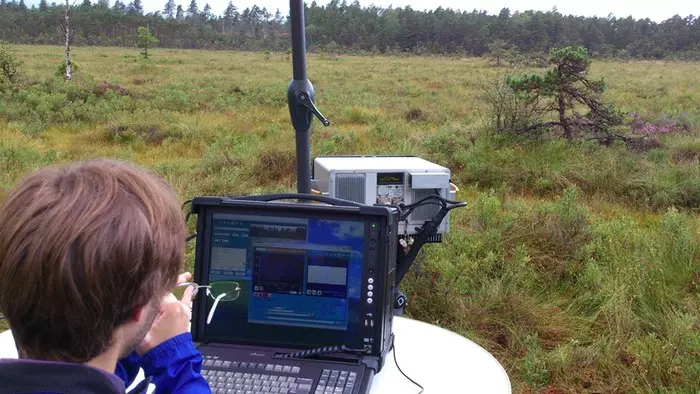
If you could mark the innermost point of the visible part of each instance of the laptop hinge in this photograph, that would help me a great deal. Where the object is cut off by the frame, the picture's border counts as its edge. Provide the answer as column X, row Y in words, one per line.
column 376, row 363
column 337, row 357
column 371, row 363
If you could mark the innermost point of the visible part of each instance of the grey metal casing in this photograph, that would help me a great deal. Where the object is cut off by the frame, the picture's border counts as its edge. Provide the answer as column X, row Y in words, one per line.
column 385, row 180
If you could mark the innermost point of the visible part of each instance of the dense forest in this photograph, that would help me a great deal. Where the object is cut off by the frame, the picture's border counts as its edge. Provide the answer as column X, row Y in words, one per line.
column 340, row 26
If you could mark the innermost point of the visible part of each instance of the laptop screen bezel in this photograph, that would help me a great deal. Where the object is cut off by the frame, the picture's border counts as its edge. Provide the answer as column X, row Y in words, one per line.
column 205, row 211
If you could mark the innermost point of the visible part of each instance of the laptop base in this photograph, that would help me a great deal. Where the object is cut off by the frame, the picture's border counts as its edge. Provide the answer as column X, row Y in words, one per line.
column 232, row 369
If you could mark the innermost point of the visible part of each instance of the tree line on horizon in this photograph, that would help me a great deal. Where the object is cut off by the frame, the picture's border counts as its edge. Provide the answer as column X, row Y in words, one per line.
column 343, row 27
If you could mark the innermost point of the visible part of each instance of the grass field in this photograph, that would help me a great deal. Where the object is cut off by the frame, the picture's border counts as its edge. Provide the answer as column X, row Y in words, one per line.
column 576, row 265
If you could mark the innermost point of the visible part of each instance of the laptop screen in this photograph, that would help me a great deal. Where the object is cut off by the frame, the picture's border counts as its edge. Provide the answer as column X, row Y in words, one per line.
column 288, row 280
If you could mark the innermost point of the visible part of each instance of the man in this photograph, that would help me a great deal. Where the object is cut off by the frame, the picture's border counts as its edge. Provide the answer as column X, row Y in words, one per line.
column 88, row 255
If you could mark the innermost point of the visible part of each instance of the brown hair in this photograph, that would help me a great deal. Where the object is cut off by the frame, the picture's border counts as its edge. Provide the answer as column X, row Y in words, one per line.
column 82, row 247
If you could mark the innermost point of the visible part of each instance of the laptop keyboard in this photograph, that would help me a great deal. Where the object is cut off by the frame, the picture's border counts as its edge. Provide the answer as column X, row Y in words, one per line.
column 336, row 382
column 227, row 378
column 222, row 382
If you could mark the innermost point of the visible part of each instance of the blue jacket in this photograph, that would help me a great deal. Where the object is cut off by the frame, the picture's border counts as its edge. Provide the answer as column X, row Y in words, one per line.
column 173, row 367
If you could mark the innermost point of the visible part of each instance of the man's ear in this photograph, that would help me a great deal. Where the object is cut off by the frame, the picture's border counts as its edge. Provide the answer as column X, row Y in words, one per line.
column 141, row 312
column 145, row 312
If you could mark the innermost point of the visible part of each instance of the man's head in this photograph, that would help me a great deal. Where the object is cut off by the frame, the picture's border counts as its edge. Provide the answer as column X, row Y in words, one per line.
column 86, row 253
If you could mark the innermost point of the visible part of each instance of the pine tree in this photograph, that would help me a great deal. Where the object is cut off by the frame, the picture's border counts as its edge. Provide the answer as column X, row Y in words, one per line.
column 207, row 12
column 179, row 14
column 278, row 17
column 135, row 7
column 146, row 40
column 169, row 10
column 346, row 22
column 231, row 12
column 565, row 88
column 22, row 6
column 498, row 51
column 230, row 16
column 9, row 64
column 86, row 3
column 193, row 9
column 119, row 6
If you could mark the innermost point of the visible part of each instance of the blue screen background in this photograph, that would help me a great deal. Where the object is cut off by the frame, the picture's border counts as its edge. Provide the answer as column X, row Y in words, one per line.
column 325, row 243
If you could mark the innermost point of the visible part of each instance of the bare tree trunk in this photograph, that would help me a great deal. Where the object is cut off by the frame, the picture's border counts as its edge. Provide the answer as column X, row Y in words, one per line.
column 67, row 76
column 562, row 116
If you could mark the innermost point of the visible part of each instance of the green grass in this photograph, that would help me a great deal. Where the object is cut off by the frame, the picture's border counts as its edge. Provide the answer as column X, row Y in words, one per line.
column 576, row 265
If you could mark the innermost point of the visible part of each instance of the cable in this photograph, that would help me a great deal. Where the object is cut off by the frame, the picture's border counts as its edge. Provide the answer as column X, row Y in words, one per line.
column 406, row 210
column 402, row 373
column 405, row 214
column 435, row 197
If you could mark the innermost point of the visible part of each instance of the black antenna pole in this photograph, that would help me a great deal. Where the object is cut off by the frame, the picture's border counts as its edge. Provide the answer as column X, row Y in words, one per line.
column 300, row 98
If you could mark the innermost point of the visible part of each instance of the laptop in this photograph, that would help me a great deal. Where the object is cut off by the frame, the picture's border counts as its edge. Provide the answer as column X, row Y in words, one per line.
column 298, row 297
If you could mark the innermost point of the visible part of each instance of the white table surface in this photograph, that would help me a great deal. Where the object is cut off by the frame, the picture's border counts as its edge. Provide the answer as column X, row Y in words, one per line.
column 441, row 361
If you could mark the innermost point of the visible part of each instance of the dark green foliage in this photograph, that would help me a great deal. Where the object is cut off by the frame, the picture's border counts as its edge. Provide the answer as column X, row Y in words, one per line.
column 135, row 7
column 357, row 29
column 193, row 9
column 500, row 51
column 9, row 64
column 506, row 110
column 61, row 69
column 647, row 180
column 556, row 235
column 565, row 87
column 169, row 9
column 52, row 102
column 146, row 40
column 563, row 293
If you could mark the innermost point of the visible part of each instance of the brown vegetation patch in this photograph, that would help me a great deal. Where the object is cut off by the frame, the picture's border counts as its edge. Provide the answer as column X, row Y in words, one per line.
column 551, row 338
column 554, row 242
column 149, row 133
column 686, row 157
column 415, row 114
column 551, row 389
column 105, row 86
column 627, row 359
column 495, row 332
column 140, row 81
column 644, row 144
column 275, row 166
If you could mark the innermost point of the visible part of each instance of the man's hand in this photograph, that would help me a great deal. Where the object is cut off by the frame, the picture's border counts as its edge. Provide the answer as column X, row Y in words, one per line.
column 172, row 320
column 184, row 278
